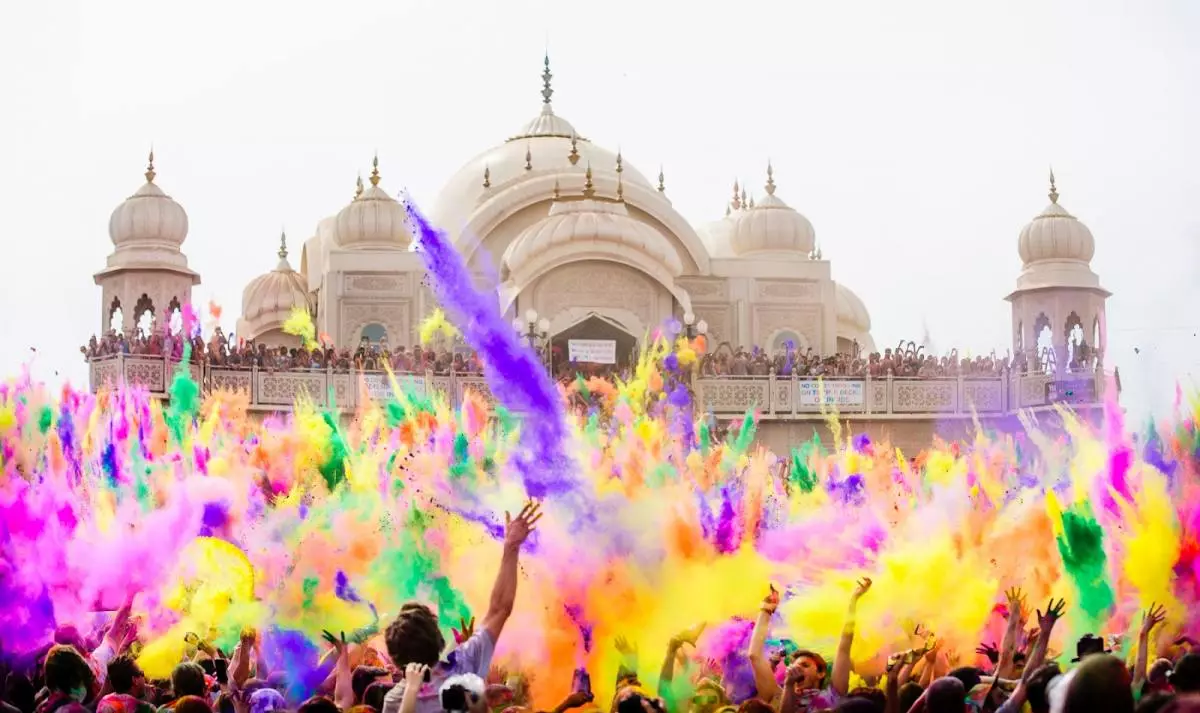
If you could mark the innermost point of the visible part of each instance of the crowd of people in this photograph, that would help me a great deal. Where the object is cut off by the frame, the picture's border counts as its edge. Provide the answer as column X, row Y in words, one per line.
column 408, row 668
column 906, row 360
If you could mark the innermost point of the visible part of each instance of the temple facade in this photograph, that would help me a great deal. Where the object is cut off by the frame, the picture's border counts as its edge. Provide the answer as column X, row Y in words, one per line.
column 579, row 244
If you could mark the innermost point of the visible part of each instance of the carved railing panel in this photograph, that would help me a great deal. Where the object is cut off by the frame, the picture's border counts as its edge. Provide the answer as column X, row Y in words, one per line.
column 232, row 380
column 982, row 395
column 147, row 372
column 282, row 388
column 735, row 395
column 925, row 396
column 105, row 373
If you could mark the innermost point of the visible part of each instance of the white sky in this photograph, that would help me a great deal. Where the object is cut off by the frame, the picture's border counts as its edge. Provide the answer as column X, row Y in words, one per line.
column 916, row 136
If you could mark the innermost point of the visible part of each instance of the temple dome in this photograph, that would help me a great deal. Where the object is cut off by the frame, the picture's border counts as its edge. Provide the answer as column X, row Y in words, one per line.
column 149, row 218
column 592, row 227
column 770, row 226
column 546, row 145
column 269, row 299
column 1055, row 234
column 373, row 220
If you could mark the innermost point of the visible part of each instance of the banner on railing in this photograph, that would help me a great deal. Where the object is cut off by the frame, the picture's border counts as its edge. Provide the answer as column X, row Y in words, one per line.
column 592, row 351
column 379, row 387
column 1073, row 391
column 836, row 393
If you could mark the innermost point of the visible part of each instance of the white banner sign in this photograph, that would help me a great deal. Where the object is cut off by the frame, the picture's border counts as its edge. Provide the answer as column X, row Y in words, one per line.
column 592, row 351
column 380, row 388
column 836, row 393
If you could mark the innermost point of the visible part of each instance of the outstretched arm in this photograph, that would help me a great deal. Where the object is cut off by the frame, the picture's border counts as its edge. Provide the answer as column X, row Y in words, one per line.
column 1152, row 618
column 1008, row 647
column 841, row 663
column 764, row 677
column 1037, row 656
column 504, row 591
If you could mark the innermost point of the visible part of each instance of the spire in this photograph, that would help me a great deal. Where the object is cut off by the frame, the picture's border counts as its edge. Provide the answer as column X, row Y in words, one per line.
column 547, row 91
column 1053, row 189
column 736, row 202
column 750, row 204
column 573, row 157
column 358, row 187
column 557, row 195
column 661, row 186
column 528, row 158
column 589, row 190
column 745, row 204
column 620, row 186
column 375, row 170
column 487, row 176
column 620, row 161
column 283, row 253
column 770, row 179
column 150, row 174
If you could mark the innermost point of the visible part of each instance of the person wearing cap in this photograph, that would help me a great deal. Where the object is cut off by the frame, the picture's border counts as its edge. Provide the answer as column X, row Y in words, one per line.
column 1088, row 645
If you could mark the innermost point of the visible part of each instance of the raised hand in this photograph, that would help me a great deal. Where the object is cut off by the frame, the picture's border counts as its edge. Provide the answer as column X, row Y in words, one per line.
column 771, row 601
column 625, row 648
column 338, row 643
column 1054, row 612
column 990, row 651
column 1016, row 602
column 1154, row 616
column 862, row 587
column 690, row 636
column 518, row 529
column 467, row 630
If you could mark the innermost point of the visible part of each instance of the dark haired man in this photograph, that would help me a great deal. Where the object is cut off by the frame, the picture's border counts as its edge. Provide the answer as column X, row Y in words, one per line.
column 129, row 686
column 414, row 637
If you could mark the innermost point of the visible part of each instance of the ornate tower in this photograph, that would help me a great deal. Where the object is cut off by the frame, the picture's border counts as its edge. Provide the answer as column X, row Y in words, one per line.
column 147, row 276
column 1058, row 306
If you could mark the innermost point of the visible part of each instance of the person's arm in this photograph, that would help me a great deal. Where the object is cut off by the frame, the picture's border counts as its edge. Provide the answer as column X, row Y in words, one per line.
column 840, row 681
column 343, row 686
column 578, row 699
column 1152, row 618
column 414, row 678
column 1008, row 647
column 673, row 647
column 1037, row 656
column 239, row 669
column 892, row 690
column 764, row 677
column 504, row 591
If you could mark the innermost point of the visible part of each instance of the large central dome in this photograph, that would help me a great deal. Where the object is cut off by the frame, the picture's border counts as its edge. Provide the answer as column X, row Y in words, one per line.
column 547, row 145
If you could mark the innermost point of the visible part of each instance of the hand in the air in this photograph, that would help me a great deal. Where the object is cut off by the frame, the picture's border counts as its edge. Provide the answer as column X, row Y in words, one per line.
column 518, row 529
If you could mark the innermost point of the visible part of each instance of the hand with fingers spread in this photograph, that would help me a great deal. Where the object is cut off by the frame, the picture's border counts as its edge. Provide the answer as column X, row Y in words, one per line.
column 1016, row 603
column 990, row 651
column 1054, row 612
column 1154, row 616
column 414, row 675
column 518, row 529
column 467, row 630
column 690, row 636
column 338, row 643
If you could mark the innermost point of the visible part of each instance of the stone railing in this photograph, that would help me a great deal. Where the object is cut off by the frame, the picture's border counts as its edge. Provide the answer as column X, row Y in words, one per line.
column 895, row 397
column 774, row 397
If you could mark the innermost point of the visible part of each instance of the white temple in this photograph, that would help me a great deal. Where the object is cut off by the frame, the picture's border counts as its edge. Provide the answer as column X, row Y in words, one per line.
column 573, row 236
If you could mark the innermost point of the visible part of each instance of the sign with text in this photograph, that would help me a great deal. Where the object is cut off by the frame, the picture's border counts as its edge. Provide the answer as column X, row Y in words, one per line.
column 380, row 388
column 592, row 351
column 835, row 393
column 1072, row 391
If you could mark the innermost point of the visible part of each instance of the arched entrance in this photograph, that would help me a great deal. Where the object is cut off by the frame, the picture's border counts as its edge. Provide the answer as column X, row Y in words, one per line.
column 593, row 328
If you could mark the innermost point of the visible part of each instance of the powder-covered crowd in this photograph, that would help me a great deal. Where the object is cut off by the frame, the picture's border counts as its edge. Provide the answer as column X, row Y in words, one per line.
column 409, row 668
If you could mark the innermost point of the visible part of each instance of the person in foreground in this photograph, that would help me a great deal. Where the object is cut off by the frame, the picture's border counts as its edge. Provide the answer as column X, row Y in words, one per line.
column 415, row 638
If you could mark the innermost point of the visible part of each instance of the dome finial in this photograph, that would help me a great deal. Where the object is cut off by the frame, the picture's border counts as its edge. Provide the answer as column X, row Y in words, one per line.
column 150, row 174
column 737, row 201
column 1053, row 188
column 573, row 157
column 528, row 158
column 745, row 203
column 547, row 90
column 770, row 179
column 556, row 195
column 662, row 187
column 358, row 187
column 283, row 253
column 375, row 170
column 620, row 187
column 620, row 161
column 487, row 176
column 588, row 189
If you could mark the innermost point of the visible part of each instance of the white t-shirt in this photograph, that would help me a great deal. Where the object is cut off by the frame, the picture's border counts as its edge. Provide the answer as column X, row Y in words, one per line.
column 473, row 656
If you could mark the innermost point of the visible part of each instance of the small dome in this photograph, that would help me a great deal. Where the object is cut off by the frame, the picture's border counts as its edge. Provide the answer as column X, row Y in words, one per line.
column 373, row 220
column 851, row 311
column 770, row 226
column 1055, row 234
column 148, row 218
column 269, row 299
column 594, row 226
